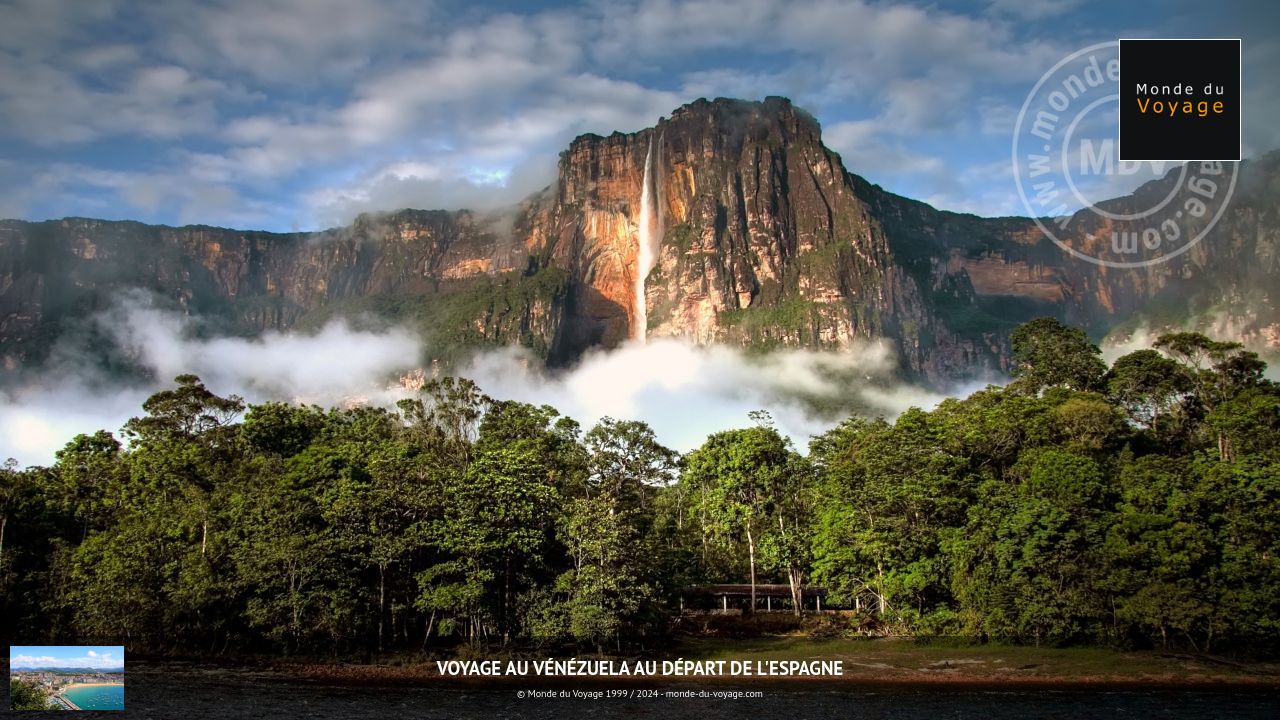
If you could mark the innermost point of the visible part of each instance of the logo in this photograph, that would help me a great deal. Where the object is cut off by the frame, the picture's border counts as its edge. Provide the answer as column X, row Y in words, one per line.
column 1180, row 99
column 1082, row 196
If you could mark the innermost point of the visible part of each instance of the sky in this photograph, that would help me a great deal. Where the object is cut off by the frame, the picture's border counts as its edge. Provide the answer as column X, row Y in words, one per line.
column 101, row 657
column 299, row 114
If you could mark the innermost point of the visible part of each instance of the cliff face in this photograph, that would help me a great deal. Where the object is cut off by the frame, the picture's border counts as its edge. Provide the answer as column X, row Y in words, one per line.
column 757, row 235
column 765, row 240
column 459, row 273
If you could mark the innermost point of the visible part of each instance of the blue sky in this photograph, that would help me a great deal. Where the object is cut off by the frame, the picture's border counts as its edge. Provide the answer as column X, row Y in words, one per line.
column 75, row 656
column 297, row 114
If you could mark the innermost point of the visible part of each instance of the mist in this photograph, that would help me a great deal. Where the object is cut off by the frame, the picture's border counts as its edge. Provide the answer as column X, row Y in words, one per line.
column 1216, row 325
column 684, row 391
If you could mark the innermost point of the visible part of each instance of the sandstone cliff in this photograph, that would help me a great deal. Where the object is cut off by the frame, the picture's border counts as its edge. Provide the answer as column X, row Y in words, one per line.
column 760, row 237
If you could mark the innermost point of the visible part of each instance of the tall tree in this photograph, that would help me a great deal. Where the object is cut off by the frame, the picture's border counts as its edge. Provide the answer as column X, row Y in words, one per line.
column 1147, row 385
column 738, row 474
column 1047, row 353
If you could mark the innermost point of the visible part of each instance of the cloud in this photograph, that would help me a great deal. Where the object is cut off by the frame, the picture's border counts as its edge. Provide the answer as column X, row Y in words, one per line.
column 291, row 113
column 294, row 42
column 659, row 381
column 91, row 659
column 31, row 661
column 423, row 185
column 316, row 366
column 122, row 194
column 73, row 396
column 50, row 104
column 864, row 147
column 806, row 391
column 1032, row 9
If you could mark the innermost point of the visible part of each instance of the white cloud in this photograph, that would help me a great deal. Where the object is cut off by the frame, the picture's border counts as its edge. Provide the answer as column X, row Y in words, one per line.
column 309, row 102
column 31, row 660
column 293, row 42
column 656, row 382
column 659, row 381
column 37, row 419
column 90, row 659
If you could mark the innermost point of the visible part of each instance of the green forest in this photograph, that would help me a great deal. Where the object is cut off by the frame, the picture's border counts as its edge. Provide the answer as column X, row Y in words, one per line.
column 1130, row 506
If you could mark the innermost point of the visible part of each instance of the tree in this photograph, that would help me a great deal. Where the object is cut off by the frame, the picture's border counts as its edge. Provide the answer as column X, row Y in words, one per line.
column 1147, row 385
column 1248, row 423
column 1025, row 563
column 1231, row 369
column 190, row 410
column 610, row 584
column 25, row 695
column 1157, row 552
column 446, row 417
column 887, row 496
column 1148, row 515
column 495, row 534
column 1087, row 423
column 626, row 461
column 608, row 587
column 740, row 476
column 1047, row 353
column 9, row 488
column 382, row 515
column 280, row 428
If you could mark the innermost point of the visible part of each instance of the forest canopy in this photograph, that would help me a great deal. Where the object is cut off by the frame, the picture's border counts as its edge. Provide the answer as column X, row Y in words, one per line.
column 1136, row 505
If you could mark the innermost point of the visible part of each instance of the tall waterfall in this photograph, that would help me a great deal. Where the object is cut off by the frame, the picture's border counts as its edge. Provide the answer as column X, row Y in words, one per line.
column 649, row 240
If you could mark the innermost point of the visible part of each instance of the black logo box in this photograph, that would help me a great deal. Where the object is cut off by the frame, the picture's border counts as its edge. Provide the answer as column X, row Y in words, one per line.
column 1180, row 64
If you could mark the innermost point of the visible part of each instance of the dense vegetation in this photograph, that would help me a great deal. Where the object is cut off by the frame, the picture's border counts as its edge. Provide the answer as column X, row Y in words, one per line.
column 25, row 695
column 1130, row 506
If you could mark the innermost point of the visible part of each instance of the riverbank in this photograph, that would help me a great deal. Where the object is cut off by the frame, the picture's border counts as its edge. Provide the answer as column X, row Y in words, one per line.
column 879, row 661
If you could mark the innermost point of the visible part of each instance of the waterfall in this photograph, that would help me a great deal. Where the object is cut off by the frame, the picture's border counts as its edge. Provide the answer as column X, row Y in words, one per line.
column 650, row 237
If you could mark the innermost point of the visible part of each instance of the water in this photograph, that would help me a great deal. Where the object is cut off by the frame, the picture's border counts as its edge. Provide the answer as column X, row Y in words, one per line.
column 649, row 240
column 195, row 693
column 102, row 697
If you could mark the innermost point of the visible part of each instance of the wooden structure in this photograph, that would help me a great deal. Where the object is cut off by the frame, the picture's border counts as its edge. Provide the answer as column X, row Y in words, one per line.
column 739, row 596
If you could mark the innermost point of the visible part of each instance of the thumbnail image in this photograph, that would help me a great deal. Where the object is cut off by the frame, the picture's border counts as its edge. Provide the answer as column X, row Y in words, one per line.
column 66, row 677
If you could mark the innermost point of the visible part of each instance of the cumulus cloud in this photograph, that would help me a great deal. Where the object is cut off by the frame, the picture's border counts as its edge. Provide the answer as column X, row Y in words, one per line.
column 290, row 113
column 32, row 661
column 305, row 104
column 659, row 382
column 90, row 659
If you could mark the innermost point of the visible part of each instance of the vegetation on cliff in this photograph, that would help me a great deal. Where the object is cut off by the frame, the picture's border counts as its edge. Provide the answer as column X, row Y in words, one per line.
column 1132, row 506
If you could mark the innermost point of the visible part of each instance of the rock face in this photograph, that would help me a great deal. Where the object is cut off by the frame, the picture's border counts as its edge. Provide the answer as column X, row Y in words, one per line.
column 762, row 238
column 766, row 241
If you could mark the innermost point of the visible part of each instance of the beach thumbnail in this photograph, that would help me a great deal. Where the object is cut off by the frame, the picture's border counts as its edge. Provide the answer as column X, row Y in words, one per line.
column 66, row 677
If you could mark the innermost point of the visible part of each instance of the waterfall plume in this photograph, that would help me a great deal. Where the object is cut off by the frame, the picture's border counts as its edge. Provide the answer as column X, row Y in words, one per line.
column 650, row 236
